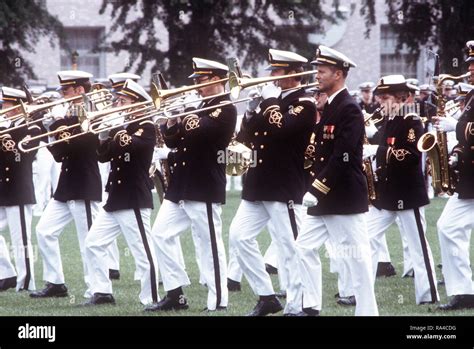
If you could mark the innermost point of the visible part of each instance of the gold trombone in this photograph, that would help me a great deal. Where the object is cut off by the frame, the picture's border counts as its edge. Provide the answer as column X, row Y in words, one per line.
column 237, row 83
column 87, row 121
column 158, row 95
column 100, row 98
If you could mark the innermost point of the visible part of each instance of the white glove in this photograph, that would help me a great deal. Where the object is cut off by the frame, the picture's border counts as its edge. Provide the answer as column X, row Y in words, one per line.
column 453, row 160
column 309, row 200
column 4, row 122
column 174, row 108
column 160, row 154
column 270, row 91
column 104, row 135
column 369, row 150
column 57, row 113
column 253, row 104
column 192, row 100
column 446, row 124
column 370, row 130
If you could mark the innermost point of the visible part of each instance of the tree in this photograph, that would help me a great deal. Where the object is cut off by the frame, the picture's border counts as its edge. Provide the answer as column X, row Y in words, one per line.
column 443, row 26
column 212, row 29
column 22, row 23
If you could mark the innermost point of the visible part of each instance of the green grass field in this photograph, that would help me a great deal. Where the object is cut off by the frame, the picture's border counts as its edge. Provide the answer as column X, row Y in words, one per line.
column 395, row 296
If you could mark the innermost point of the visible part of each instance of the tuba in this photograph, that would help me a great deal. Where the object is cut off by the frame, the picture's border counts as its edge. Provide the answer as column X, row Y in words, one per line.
column 435, row 143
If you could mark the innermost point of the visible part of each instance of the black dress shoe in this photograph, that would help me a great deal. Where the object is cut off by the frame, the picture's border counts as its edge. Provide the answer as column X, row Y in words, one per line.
column 281, row 294
column 337, row 295
column 51, row 290
column 265, row 307
column 310, row 312
column 99, row 299
column 169, row 303
column 114, row 274
column 7, row 283
column 271, row 269
column 460, row 301
column 347, row 301
column 385, row 269
column 233, row 286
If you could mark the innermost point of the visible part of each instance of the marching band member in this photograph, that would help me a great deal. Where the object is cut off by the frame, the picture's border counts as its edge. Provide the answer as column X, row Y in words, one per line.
column 278, row 129
column 337, row 175
column 457, row 220
column 79, row 191
column 129, row 203
column 196, row 192
column 17, row 195
column 401, row 190
column 117, row 81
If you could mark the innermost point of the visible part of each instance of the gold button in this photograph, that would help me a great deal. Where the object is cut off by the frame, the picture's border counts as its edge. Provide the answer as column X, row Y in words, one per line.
column 184, row 149
column 7, row 169
column 322, row 159
column 119, row 181
column 182, row 138
column 120, row 156
column 253, row 146
column 110, row 183
column 324, row 180
column 184, row 163
column 62, row 158
column 262, row 146
column 265, row 133
column 66, row 170
column 322, row 142
column 175, row 164
column 260, row 161
column 256, row 133
column 112, row 159
column 118, row 168
column 7, row 179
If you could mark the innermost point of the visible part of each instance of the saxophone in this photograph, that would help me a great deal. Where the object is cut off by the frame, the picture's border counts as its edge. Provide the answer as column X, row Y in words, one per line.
column 160, row 179
column 367, row 163
column 369, row 175
column 435, row 143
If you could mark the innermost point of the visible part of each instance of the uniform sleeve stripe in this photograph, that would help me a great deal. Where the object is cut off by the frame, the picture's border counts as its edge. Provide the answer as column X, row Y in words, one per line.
column 317, row 184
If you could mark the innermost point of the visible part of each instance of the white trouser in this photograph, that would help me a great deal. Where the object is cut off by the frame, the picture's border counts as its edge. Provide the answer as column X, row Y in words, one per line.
column 383, row 254
column 339, row 266
column 113, row 255
column 7, row 270
column 271, row 257
column 414, row 226
column 135, row 226
column 250, row 219
column 454, row 230
column 407, row 261
column 50, row 226
column 205, row 220
column 45, row 178
column 18, row 219
column 348, row 235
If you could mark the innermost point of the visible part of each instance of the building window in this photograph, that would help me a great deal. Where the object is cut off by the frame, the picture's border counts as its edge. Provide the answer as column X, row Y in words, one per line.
column 85, row 41
column 392, row 62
